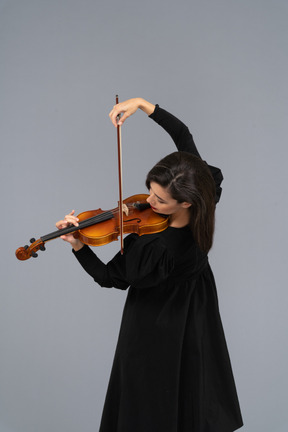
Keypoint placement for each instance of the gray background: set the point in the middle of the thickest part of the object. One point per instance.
(220, 66)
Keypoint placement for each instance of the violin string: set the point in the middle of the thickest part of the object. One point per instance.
(101, 217)
(82, 224)
(106, 215)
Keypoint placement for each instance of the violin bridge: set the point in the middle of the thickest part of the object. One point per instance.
(125, 209)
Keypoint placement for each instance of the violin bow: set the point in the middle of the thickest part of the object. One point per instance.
(119, 147)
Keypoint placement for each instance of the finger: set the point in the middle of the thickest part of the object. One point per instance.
(113, 116)
(61, 224)
(112, 111)
(71, 216)
(71, 220)
(123, 118)
(116, 112)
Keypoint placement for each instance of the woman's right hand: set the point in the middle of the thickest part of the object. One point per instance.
(70, 220)
(127, 108)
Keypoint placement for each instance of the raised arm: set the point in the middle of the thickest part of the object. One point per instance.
(184, 141)
(173, 126)
(178, 131)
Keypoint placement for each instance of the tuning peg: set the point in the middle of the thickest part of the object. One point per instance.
(32, 240)
(42, 248)
(26, 247)
(34, 254)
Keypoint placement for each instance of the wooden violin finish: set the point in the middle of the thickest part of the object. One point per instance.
(98, 227)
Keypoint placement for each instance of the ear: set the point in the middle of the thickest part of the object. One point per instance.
(185, 204)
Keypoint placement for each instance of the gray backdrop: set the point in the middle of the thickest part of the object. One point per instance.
(220, 66)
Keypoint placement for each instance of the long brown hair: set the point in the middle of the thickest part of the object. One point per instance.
(188, 179)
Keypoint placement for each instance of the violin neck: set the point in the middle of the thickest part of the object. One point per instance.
(83, 224)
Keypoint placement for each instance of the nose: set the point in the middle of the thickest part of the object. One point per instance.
(150, 199)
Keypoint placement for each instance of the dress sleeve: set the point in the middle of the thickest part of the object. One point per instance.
(184, 141)
(178, 131)
(145, 262)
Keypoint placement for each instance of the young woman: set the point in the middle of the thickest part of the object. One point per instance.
(171, 371)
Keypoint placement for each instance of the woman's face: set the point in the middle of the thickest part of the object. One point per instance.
(161, 201)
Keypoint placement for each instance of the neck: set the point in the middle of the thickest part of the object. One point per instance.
(179, 219)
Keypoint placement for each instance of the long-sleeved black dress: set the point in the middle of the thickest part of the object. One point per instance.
(171, 371)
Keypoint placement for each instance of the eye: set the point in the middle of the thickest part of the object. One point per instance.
(160, 201)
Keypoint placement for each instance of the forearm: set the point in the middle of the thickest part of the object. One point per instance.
(91, 264)
(106, 275)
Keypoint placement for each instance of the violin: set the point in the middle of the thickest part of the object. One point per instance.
(98, 227)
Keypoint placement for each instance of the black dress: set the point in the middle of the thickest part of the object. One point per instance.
(171, 371)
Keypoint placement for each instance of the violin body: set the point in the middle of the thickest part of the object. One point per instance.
(98, 227)
(138, 220)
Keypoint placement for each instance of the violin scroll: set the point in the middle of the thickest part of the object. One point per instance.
(25, 252)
